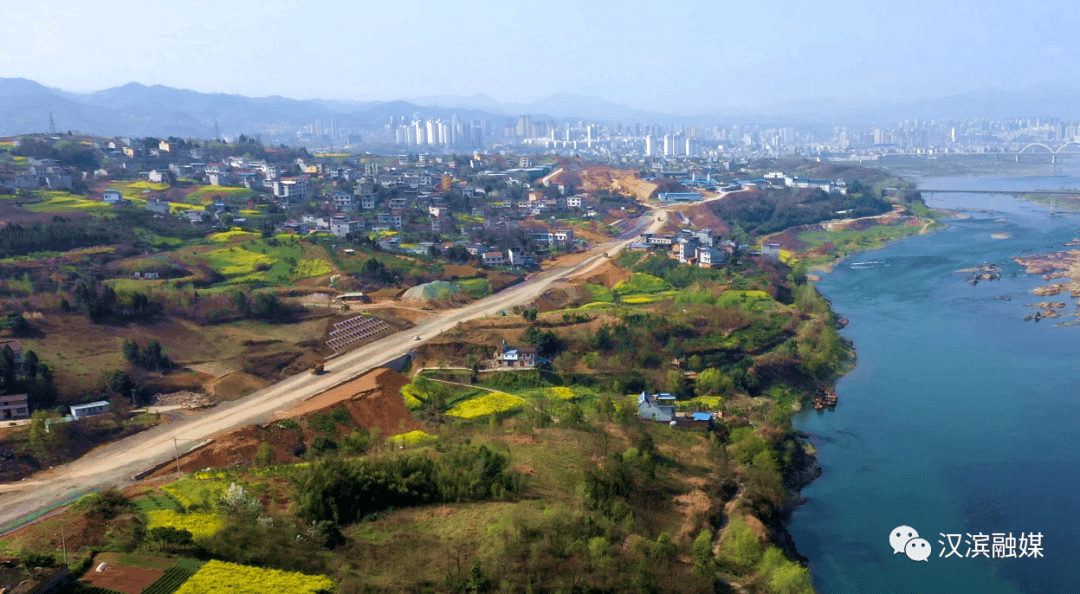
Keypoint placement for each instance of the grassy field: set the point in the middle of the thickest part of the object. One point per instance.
(850, 241)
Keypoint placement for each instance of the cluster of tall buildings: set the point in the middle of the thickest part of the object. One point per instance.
(436, 132)
(667, 141)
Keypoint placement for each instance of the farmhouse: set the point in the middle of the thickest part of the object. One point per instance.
(507, 356)
(86, 410)
(14, 407)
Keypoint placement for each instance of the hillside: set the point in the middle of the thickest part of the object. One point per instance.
(514, 480)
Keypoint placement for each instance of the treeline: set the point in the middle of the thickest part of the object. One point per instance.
(58, 235)
(761, 212)
(100, 302)
(66, 153)
(148, 357)
(345, 491)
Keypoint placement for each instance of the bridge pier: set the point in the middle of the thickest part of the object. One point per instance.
(1017, 158)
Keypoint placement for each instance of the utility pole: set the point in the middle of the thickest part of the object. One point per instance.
(63, 539)
(176, 451)
(133, 403)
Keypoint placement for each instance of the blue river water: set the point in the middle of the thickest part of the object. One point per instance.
(959, 417)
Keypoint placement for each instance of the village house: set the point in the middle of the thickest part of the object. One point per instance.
(710, 257)
(493, 259)
(344, 201)
(662, 408)
(90, 409)
(14, 407)
(342, 227)
(16, 352)
(292, 189)
(507, 356)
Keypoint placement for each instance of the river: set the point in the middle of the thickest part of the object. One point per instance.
(959, 417)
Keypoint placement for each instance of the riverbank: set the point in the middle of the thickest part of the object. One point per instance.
(940, 421)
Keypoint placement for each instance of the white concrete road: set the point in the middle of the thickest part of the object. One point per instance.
(117, 463)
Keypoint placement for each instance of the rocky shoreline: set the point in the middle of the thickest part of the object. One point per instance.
(807, 470)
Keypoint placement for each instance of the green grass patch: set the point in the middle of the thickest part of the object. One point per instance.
(147, 504)
(238, 261)
(158, 241)
(749, 300)
(478, 288)
(600, 293)
(849, 241)
(641, 283)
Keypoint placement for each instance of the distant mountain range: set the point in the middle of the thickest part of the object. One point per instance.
(139, 110)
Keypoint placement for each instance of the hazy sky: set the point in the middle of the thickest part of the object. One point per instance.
(666, 55)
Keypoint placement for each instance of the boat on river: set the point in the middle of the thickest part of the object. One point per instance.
(825, 397)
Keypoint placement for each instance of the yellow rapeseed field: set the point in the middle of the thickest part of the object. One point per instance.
(308, 268)
(231, 234)
(219, 576)
(198, 524)
(486, 405)
(232, 261)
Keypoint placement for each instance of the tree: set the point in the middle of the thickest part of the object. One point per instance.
(31, 365)
(17, 324)
(739, 545)
(121, 383)
(265, 455)
(529, 314)
(152, 356)
(241, 303)
(791, 578)
(701, 551)
(713, 382)
(675, 381)
(267, 307)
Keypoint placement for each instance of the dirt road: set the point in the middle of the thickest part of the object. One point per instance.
(116, 464)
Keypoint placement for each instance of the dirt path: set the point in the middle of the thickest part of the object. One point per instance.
(117, 463)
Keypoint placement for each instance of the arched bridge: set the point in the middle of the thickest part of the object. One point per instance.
(1053, 152)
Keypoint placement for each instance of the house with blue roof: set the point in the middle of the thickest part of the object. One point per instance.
(661, 408)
